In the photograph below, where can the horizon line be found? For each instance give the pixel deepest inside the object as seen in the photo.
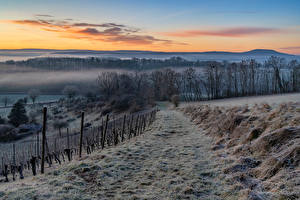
(151, 51)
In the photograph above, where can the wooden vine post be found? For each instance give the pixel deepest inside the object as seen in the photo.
(14, 154)
(44, 140)
(81, 134)
(103, 138)
(123, 129)
(68, 139)
(110, 132)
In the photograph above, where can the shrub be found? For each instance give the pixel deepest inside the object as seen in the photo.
(100, 104)
(70, 91)
(175, 100)
(106, 110)
(123, 103)
(91, 97)
(2, 120)
(17, 114)
(32, 116)
(59, 125)
(33, 95)
(135, 108)
(5, 132)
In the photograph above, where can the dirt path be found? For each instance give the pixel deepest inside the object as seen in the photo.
(173, 160)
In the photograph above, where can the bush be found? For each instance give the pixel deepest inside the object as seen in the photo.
(106, 110)
(5, 128)
(135, 108)
(5, 134)
(175, 100)
(2, 120)
(100, 104)
(91, 97)
(32, 116)
(17, 114)
(59, 125)
(70, 91)
(123, 103)
(33, 95)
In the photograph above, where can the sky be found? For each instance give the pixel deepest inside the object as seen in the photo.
(155, 25)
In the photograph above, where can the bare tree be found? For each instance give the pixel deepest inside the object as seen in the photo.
(33, 94)
(59, 125)
(175, 100)
(70, 91)
(108, 83)
(6, 100)
(276, 63)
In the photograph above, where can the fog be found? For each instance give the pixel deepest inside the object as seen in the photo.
(50, 82)
(18, 79)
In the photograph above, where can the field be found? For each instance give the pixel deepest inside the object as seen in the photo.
(179, 159)
(14, 97)
(40, 99)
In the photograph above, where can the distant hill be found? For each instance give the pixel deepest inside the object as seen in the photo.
(258, 54)
(266, 52)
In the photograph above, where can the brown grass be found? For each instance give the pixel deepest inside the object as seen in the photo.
(266, 135)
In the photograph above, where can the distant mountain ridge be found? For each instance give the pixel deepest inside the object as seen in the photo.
(254, 51)
(266, 51)
(258, 54)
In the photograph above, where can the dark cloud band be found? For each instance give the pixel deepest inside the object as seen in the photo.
(107, 32)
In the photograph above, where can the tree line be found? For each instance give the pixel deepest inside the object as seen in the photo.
(217, 80)
(69, 63)
(198, 80)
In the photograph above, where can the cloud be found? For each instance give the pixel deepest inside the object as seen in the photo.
(105, 25)
(226, 32)
(116, 35)
(43, 15)
(139, 39)
(90, 31)
(291, 48)
(107, 32)
(239, 12)
(28, 22)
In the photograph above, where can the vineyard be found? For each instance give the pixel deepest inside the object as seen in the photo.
(31, 155)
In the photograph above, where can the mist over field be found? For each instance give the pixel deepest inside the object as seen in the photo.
(50, 82)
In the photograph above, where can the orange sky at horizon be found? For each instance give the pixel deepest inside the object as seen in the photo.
(19, 35)
(154, 25)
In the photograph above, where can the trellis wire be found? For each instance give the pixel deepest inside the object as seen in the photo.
(27, 154)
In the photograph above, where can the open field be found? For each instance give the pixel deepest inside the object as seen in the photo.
(40, 99)
(15, 97)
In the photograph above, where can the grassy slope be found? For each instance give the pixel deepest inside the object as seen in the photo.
(170, 161)
(173, 160)
(262, 141)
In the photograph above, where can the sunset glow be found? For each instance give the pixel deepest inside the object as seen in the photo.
(135, 25)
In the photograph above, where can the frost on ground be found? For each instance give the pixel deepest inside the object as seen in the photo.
(173, 160)
(233, 152)
(251, 100)
(263, 143)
